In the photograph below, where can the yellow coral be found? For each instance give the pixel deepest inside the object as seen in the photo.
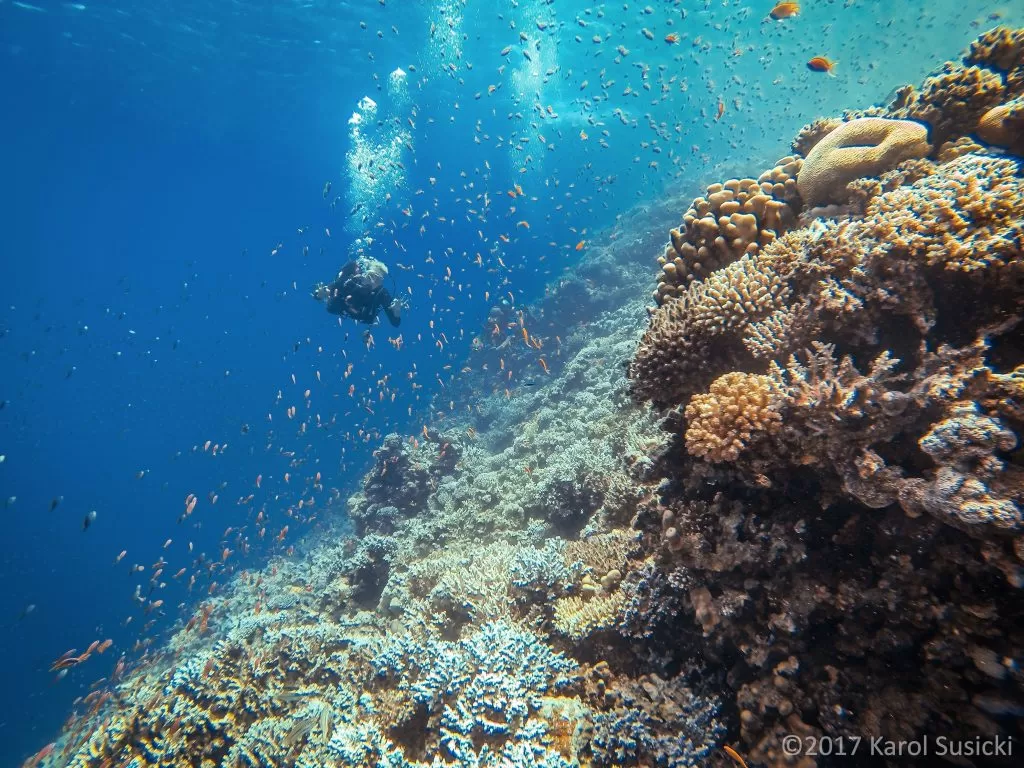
(951, 102)
(738, 406)
(966, 218)
(601, 553)
(1001, 49)
(577, 618)
(867, 146)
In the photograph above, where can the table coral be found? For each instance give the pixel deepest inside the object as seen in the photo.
(867, 146)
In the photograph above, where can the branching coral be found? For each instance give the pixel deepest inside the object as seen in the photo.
(577, 617)
(672, 360)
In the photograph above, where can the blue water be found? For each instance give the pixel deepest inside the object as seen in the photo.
(154, 156)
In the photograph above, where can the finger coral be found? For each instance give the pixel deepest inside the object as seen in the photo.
(863, 147)
(732, 219)
(738, 407)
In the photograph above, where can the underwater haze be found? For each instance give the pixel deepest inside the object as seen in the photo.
(684, 422)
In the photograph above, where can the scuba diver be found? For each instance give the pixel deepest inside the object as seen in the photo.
(358, 292)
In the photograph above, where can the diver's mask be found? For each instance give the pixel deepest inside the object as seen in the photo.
(373, 271)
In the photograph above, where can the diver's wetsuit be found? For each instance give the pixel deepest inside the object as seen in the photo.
(361, 296)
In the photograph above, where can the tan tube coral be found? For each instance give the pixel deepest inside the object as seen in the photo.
(867, 146)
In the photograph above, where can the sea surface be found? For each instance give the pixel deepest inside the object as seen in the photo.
(176, 177)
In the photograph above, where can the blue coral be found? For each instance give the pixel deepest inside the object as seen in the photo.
(543, 570)
(487, 687)
(658, 723)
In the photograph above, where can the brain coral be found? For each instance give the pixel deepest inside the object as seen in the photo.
(866, 146)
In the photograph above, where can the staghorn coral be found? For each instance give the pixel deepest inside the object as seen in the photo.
(732, 219)
(738, 407)
(863, 147)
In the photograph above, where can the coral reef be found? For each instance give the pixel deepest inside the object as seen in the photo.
(818, 531)
(844, 515)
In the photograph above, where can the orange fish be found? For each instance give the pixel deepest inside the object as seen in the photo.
(524, 224)
(672, 38)
(583, 136)
(544, 365)
(721, 111)
(726, 748)
(580, 244)
(822, 64)
(784, 11)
